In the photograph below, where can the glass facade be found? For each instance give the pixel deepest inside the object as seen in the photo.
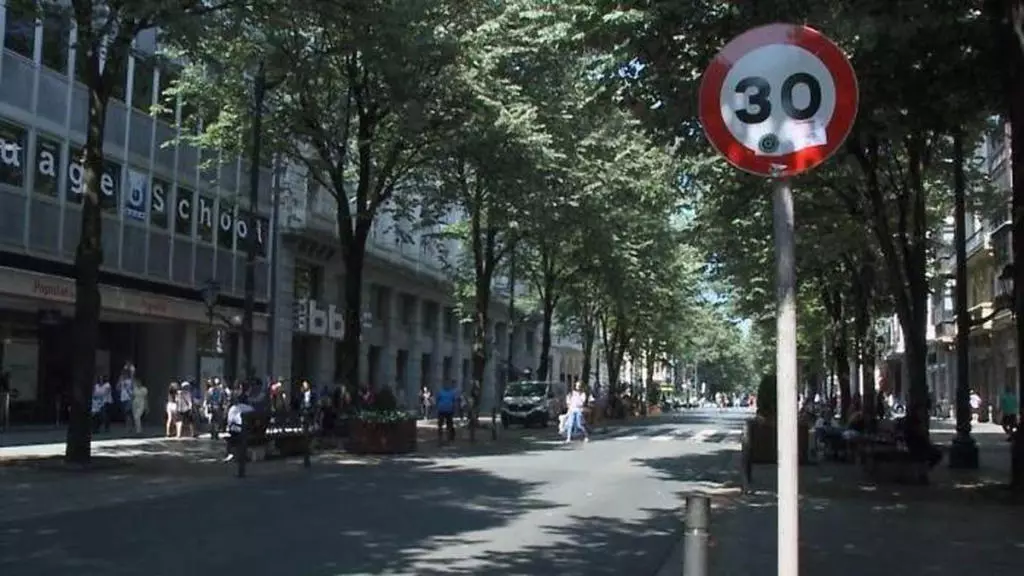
(173, 214)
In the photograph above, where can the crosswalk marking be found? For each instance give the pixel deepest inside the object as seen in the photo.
(708, 436)
(703, 435)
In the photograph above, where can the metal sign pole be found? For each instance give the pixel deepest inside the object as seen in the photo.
(786, 376)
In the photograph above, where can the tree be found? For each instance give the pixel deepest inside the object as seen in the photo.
(362, 100)
(893, 146)
(104, 33)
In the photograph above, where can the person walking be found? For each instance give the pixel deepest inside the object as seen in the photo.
(140, 404)
(446, 402)
(574, 417)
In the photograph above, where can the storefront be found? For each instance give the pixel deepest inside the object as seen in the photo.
(160, 335)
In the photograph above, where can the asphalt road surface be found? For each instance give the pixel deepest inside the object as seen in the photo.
(611, 506)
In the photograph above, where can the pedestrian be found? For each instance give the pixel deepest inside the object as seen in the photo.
(446, 401)
(126, 392)
(171, 409)
(239, 406)
(99, 407)
(140, 404)
(186, 414)
(574, 416)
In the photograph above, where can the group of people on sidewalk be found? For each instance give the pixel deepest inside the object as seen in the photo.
(127, 401)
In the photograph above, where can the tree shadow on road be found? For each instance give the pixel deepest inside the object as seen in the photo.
(849, 526)
(581, 546)
(380, 519)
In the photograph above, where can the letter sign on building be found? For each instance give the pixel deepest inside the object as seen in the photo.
(138, 196)
(12, 154)
(48, 161)
(184, 203)
(158, 206)
(315, 319)
(110, 181)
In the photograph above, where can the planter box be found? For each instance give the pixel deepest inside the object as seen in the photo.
(365, 437)
(761, 436)
(653, 410)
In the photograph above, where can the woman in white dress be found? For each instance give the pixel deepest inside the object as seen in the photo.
(140, 404)
(172, 409)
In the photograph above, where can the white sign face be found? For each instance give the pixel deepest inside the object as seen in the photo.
(778, 99)
(311, 318)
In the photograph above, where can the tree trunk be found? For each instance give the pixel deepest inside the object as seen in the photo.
(588, 350)
(864, 336)
(842, 360)
(249, 307)
(354, 255)
(88, 259)
(545, 336)
(1015, 69)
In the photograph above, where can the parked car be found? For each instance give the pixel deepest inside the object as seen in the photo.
(531, 402)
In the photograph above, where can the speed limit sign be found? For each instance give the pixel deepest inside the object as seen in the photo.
(778, 100)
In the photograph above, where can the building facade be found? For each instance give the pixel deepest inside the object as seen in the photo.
(176, 219)
(413, 336)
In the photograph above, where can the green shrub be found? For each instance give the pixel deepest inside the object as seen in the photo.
(385, 400)
(767, 399)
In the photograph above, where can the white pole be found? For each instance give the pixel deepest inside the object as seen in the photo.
(786, 376)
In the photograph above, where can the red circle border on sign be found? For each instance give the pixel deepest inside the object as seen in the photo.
(838, 128)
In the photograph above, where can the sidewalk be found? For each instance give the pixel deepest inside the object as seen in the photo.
(963, 522)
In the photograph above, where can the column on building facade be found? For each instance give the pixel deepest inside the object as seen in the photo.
(323, 353)
(366, 337)
(436, 335)
(389, 344)
(188, 349)
(414, 348)
(284, 321)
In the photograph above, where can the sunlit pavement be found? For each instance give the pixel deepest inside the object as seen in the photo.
(610, 506)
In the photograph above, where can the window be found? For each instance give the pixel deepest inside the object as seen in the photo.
(158, 207)
(167, 102)
(307, 282)
(204, 218)
(20, 31)
(48, 162)
(142, 83)
(226, 226)
(110, 185)
(449, 321)
(184, 208)
(118, 61)
(56, 38)
(13, 139)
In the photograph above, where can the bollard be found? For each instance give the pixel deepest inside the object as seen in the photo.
(494, 423)
(242, 448)
(695, 536)
(309, 442)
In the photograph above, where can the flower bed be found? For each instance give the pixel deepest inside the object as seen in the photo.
(381, 432)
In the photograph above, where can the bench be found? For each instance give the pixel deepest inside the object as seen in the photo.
(888, 459)
(279, 434)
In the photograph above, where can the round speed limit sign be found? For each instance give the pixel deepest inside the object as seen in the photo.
(778, 100)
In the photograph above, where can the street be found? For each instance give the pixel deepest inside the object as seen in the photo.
(607, 507)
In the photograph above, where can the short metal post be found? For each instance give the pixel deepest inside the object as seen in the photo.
(695, 537)
(309, 441)
(494, 423)
(242, 449)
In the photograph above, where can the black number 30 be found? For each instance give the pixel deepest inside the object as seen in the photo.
(759, 108)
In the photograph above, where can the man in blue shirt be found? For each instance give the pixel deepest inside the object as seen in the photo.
(446, 402)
